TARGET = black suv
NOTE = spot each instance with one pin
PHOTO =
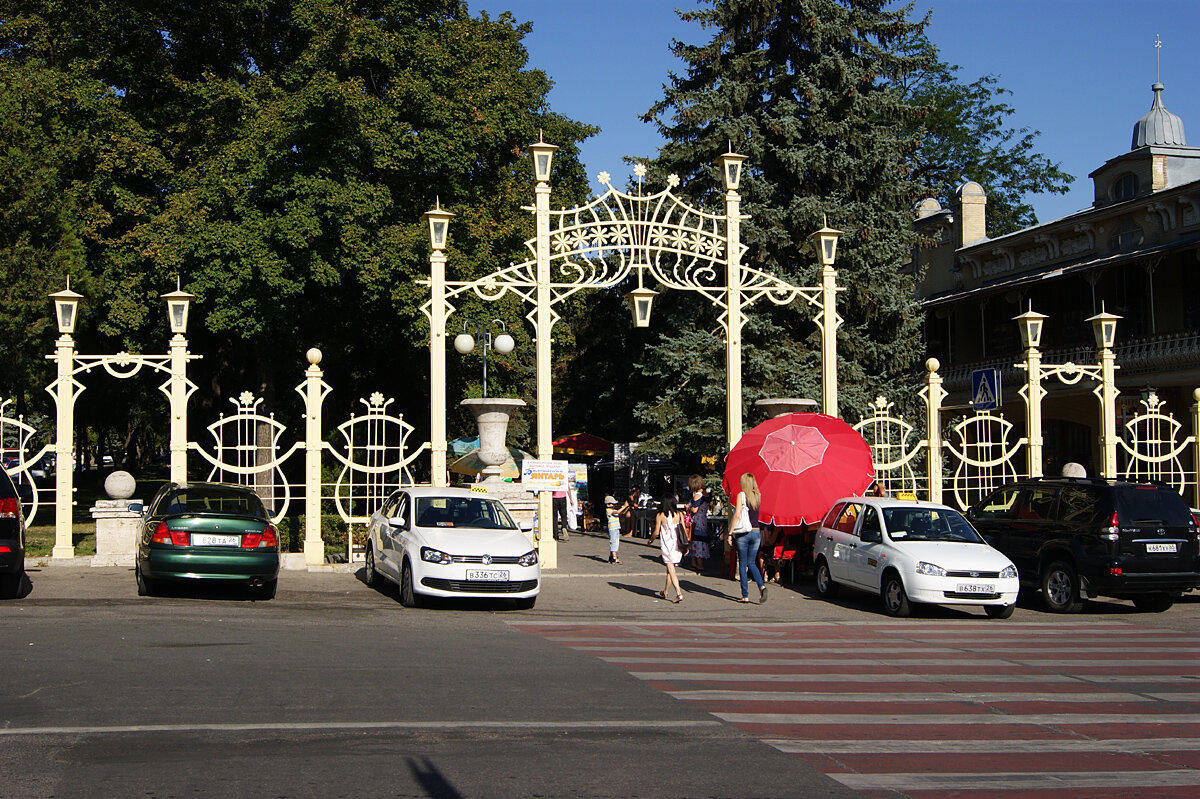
(12, 539)
(1075, 538)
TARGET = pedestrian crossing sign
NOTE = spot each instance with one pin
(985, 389)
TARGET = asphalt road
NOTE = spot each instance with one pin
(333, 689)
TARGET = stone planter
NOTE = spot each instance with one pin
(492, 415)
(782, 405)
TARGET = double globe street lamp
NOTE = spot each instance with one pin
(464, 342)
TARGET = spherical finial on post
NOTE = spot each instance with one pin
(313, 356)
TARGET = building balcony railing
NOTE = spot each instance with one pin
(1158, 353)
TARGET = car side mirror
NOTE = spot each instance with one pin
(526, 527)
(136, 507)
(871, 536)
(397, 523)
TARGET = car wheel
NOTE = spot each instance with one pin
(1153, 603)
(145, 586)
(408, 597)
(895, 601)
(10, 585)
(373, 578)
(526, 603)
(999, 611)
(1060, 588)
(826, 587)
(267, 589)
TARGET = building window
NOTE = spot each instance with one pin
(1126, 237)
(1125, 187)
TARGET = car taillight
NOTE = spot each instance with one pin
(10, 508)
(1112, 532)
(267, 538)
(1195, 522)
(165, 535)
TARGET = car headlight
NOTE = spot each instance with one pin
(931, 569)
(435, 556)
(1009, 572)
(529, 558)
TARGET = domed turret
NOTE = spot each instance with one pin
(1159, 126)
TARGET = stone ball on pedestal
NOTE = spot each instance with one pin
(120, 485)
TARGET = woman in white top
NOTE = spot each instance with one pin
(668, 527)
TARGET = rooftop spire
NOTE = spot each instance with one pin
(1159, 126)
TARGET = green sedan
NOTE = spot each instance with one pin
(206, 531)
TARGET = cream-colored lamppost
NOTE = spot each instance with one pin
(439, 223)
(825, 243)
(1031, 324)
(731, 178)
(178, 302)
(1104, 329)
(66, 312)
(543, 321)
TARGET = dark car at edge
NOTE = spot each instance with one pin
(1079, 538)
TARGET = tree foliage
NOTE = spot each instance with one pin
(965, 134)
(275, 156)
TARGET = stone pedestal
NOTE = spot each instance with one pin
(492, 415)
(116, 528)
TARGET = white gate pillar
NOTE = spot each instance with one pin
(314, 392)
(543, 322)
(1104, 328)
(439, 222)
(1031, 323)
(934, 394)
(64, 468)
(735, 320)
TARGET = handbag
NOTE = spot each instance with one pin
(685, 540)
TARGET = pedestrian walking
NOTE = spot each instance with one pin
(698, 506)
(614, 529)
(668, 528)
(745, 536)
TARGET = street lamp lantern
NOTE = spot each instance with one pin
(66, 305)
(640, 300)
(731, 169)
(464, 342)
(177, 308)
(439, 223)
(825, 242)
(1031, 328)
(1104, 328)
(543, 156)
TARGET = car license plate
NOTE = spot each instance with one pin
(212, 540)
(976, 588)
(1161, 547)
(489, 575)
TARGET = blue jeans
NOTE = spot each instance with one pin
(747, 549)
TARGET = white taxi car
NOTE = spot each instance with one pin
(909, 551)
(450, 542)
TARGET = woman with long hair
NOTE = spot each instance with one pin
(668, 529)
(699, 510)
(743, 530)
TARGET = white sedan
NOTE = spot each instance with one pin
(910, 551)
(450, 542)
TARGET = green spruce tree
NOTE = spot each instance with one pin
(802, 88)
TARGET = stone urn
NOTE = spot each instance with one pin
(779, 406)
(492, 415)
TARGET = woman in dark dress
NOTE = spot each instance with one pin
(698, 508)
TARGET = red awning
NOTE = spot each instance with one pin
(582, 444)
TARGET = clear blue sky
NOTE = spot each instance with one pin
(1079, 70)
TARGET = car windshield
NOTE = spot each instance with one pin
(929, 524)
(477, 512)
(212, 500)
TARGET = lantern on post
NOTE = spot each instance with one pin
(825, 242)
(439, 224)
(543, 156)
(66, 306)
(640, 300)
(1031, 323)
(178, 302)
(1104, 328)
(731, 169)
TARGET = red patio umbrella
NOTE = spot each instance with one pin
(582, 444)
(802, 462)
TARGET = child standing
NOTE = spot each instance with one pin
(614, 529)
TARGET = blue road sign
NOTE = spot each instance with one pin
(985, 389)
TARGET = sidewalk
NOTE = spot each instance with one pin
(584, 585)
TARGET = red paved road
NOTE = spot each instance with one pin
(933, 710)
